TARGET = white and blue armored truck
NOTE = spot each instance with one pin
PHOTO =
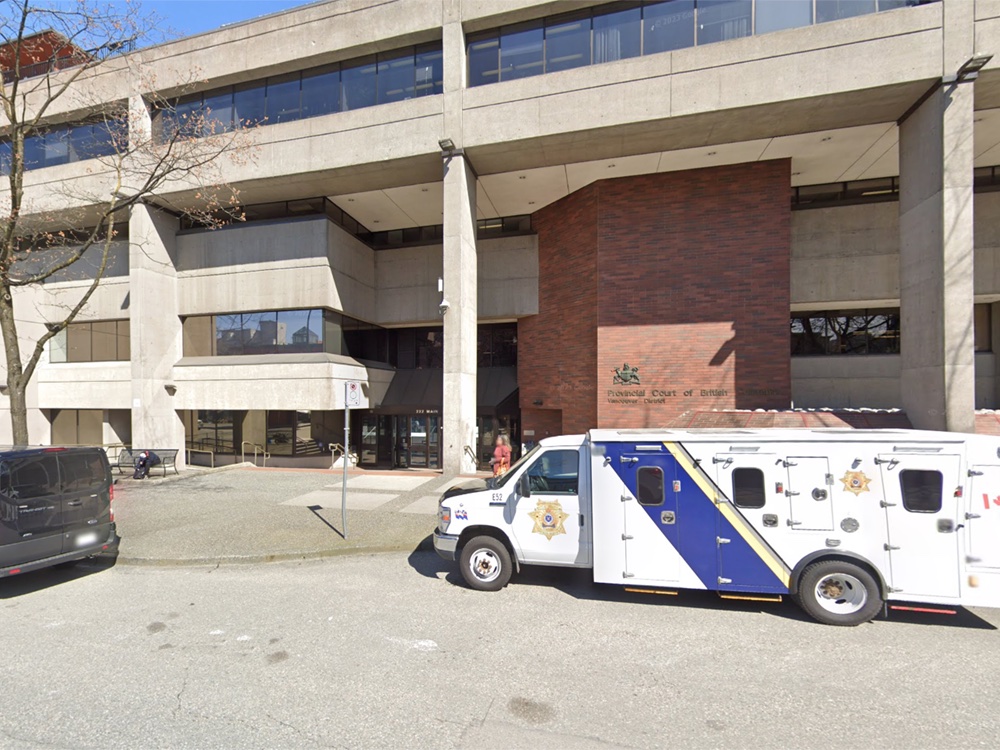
(845, 521)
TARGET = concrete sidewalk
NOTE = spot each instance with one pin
(259, 515)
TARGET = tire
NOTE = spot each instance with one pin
(486, 564)
(835, 592)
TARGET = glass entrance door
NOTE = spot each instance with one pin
(418, 442)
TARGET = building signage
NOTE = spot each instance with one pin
(629, 376)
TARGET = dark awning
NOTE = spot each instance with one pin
(421, 391)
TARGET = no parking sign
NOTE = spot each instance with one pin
(353, 397)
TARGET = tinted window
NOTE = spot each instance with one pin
(429, 72)
(834, 10)
(668, 26)
(82, 471)
(567, 44)
(921, 490)
(358, 86)
(555, 473)
(484, 61)
(283, 99)
(521, 52)
(617, 36)
(784, 15)
(748, 488)
(218, 113)
(37, 476)
(649, 485)
(719, 20)
(395, 78)
(321, 93)
(248, 105)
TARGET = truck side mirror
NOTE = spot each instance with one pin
(524, 485)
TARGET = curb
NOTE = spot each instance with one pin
(424, 545)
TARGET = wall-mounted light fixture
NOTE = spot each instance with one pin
(537, 402)
(969, 71)
(170, 388)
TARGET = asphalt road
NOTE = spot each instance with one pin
(390, 650)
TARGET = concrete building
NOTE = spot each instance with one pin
(637, 211)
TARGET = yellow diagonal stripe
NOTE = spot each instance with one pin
(738, 522)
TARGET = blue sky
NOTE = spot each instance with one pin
(185, 17)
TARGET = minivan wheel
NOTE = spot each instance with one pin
(839, 593)
(485, 564)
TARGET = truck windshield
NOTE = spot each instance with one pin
(496, 482)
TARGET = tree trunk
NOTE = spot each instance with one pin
(15, 384)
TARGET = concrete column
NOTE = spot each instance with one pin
(460, 320)
(155, 329)
(936, 244)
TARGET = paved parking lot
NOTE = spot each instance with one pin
(390, 650)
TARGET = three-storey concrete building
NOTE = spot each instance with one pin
(542, 217)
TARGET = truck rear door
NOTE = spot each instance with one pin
(86, 498)
(983, 518)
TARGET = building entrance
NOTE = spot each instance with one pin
(401, 441)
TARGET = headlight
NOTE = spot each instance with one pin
(444, 517)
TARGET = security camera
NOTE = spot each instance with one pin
(444, 306)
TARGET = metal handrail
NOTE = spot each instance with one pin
(258, 450)
(211, 454)
(472, 454)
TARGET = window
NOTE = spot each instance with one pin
(65, 144)
(983, 327)
(357, 84)
(395, 78)
(649, 485)
(521, 52)
(321, 92)
(284, 98)
(249, 105)
(484, 61)
(37, 476)
(429, 71)
(618, 36)
(668, 26)
(921, 490)
(748, 488)
(216, 431)
(787, 14)
(567, 43)
(834, 10)
(555, 472)
(82, 472)
(101, 341)
(720, 20)
(847, 332)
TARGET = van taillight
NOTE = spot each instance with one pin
(111, 501)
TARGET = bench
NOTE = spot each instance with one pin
(168, 459)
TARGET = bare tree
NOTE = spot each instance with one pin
(139, 149)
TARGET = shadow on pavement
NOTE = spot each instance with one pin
(315, 511)
(578, 583)
(39, 580)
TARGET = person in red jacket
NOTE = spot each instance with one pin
(501, 456)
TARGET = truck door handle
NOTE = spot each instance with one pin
(626, 537)
(970, 516)
(721, 540)
(884, 504)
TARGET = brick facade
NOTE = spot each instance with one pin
(684, 276)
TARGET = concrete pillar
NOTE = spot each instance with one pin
(936, 244)
(155, 329)
(460, 320)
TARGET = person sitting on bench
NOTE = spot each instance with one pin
(145, 461)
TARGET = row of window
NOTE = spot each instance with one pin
(376, 79)
(618, 31)
(280, 433)
(867, 331)
(68, 143)
(393, 238)
(878, 190)
(921, 489)
(101, 341)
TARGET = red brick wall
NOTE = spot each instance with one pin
(683, 275)
(557, 349)
(694, 291)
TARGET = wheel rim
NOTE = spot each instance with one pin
(841, 594)
(485, 565)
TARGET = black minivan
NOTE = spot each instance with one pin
(55, 507)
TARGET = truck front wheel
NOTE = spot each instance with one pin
(486, 564)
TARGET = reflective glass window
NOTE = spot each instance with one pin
(775, 15)
(300, 330)
(429, 72)
(719, 20)
(218, 113)
(6, 154)
(484, 61)
(618, 36)
(321, 92)
(834, 10)
(249, 104)
(280, 432)
(187, 118)
(521, 52)
(649, 485)
(357, 85)
(229, 334)
(395, 78)
(567, 43)
(667, 26)
(555, 472)
(284, 98)
(922, 490)
(748, 488)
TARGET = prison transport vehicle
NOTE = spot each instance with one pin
(847, 522)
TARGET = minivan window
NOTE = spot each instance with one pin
(82, 471)
(34, 476)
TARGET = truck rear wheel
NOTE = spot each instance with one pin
(485, 563)
(839, 593)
